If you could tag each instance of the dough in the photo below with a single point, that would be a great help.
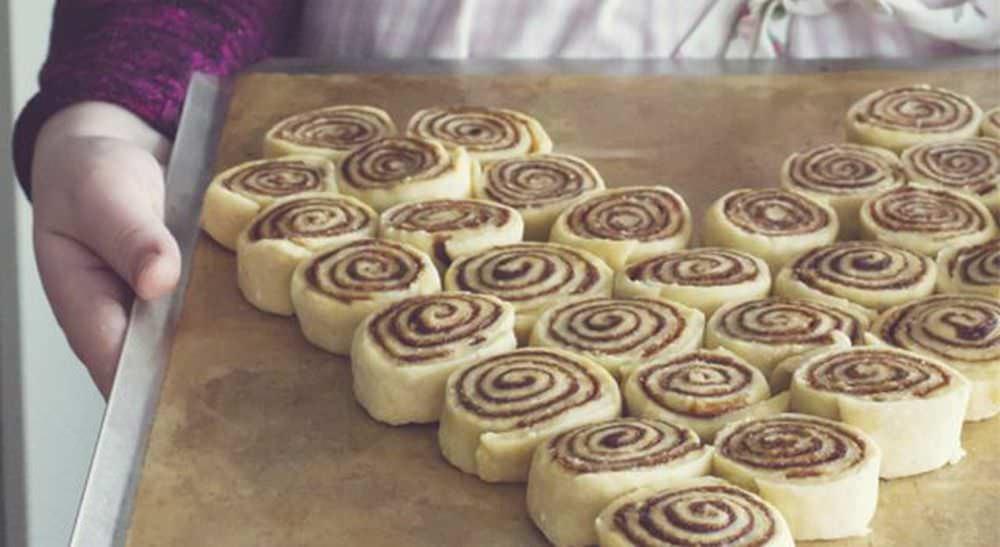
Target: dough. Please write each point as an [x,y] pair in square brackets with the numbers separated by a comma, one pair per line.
[911,406]
[237,194]
[338,286]
[842,176]
[402,355]
[331,132]
[901,117]
[822,475]
[287,232]
[971,166]
[449,228]
[626,225]
[991,123]
[486,133]
[970,268]
[620,333]
[766,331]
[703,390]
[396,170]
[961,330]
[531,276]
[702,511]
[703,279]
[499,410]
[579,472]
[774,224]
[540,187]
[869,274]
[925,220]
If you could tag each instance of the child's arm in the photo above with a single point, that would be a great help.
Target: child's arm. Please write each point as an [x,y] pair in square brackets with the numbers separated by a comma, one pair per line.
[91,144]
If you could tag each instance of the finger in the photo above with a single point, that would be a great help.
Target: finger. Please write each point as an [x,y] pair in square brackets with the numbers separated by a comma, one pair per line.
[90,303]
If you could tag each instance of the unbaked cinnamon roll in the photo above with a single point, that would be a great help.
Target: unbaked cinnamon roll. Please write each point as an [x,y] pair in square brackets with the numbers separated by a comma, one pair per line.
[971,166]
[703,278]
[970,269]
[486,133]
[287,232]
[625,225]
[910,405]
[339,285]
[330,132]
[577,473]
[237,194]
[402,355]
[991,124]
[499,410]
[821,474]
[540,187]
[774,224]
[901,117]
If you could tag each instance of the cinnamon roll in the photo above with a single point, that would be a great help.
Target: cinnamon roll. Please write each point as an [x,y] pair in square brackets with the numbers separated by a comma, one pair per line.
[402,355]
[821,474]
[901,117]
[287,232]
[961,330]
[330,132]
[774,224]
[970,268]
[531,276]
[237,194]
[446,229]
[619,333]
[766,331]
[703,279]
[540,187]
[497,411]
[702,389]
[626,225]
[486,133]
[702,511]
[339,285]
[971,166]
[577,473]
[910,405]
[925,220]
[842,176]
[869,274]
[991,124]
[394,170]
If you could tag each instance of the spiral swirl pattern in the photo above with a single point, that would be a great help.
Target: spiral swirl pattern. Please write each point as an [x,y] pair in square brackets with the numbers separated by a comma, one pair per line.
[797,446]
[430,328]
[773,212]
[311,217]
[477,129]
[863,265]
[716,383]
[642,214]
[620,445]
[527,273]
[356,270]
[539,180]
[779,320]
[710,515]
[336,128]
[276,178]
[920,109]
[876,374]
[705,267]
[970,164]
[843,169]
[524,388]
[391,160]
[959,329]
[977,265]
[926,211]
[446,215]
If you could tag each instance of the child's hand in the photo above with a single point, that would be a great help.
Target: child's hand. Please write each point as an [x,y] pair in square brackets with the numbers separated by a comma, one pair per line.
[98,226]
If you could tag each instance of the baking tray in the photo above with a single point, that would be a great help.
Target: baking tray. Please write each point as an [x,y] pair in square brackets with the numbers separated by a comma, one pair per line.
[107,508]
